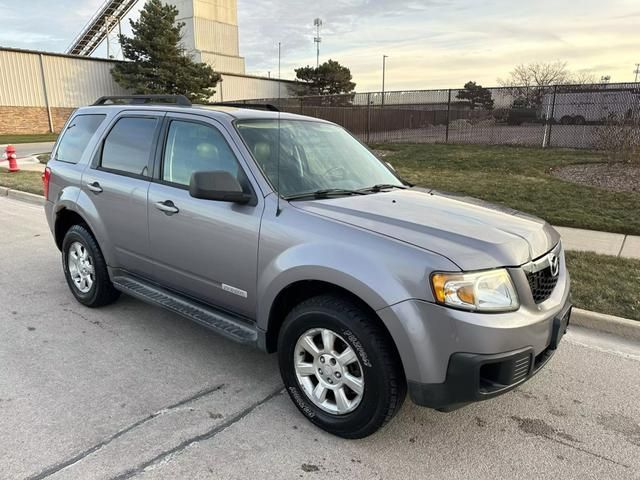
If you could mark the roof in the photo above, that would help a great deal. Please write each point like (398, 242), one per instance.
(213, 111)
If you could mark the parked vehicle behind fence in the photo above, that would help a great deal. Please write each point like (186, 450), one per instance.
(591, 106)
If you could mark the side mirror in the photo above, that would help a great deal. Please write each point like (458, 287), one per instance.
(217, 185)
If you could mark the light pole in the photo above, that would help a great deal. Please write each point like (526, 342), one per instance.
(317, 39)
(637, 71)
(384, 67)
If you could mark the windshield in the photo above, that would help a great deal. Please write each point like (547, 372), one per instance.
(314, 157)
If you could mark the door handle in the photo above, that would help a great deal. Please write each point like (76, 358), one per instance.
(94, 187)
(167, 207)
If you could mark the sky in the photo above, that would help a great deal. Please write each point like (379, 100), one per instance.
(429, 43)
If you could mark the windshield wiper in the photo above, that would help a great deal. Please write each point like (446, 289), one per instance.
(381, 186)
(325, 193)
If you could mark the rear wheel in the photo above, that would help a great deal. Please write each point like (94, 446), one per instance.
(340, 367)
(85, 269)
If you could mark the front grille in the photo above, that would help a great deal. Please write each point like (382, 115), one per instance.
(542, 284)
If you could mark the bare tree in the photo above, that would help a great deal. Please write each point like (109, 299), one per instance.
(528, 83)
(537, 74)
(583, 78)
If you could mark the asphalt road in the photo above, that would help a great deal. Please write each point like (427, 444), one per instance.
(133, 391)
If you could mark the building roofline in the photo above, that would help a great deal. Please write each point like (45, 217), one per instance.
(110, 60)
(57, 54)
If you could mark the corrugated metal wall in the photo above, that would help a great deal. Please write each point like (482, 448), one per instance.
(75, 81)
(216, 37)
(70, 82)
(242, 87)
(21, 80)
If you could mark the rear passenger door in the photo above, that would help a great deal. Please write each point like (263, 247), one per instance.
(118, 182)
(203, 248)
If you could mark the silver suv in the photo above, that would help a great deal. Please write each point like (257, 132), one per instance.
(284, 232)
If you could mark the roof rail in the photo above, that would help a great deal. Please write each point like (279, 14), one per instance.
(257, 106)
(143, 99)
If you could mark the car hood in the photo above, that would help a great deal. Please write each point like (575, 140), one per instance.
(471, 233)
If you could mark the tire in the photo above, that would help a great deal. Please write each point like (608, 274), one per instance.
(100, 291)
(376, 364)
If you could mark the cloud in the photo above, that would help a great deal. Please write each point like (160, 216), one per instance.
(430, 43)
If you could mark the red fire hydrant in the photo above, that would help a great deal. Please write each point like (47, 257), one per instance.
(10, 154)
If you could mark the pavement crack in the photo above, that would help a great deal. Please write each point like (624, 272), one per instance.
(198, 438)
(584, 450)
(85, 453)
(541, 429)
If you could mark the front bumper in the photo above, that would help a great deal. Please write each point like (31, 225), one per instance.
(444, 351)
(475, 377)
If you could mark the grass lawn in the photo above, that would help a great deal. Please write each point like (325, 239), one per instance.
(39, 137)
(26, 181)
(519, 177)
(605, 284)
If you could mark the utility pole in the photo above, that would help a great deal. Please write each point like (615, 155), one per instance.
(384, 67)
(637, 71)
(317, 39)
(106, 28)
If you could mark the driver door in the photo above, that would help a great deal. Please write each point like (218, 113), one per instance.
(206, 249)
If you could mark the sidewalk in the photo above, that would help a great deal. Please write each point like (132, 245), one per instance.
(616, 244)
(31, 164)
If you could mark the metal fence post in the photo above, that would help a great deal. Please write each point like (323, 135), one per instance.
(446, 133)
(368, 117)
(553, 109)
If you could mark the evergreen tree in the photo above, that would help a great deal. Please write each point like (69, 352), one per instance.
(158, 64)
(476, 95)
(330, 78)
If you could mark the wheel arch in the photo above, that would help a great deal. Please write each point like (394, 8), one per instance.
(65, 218)
(300, 290)
(83, 211)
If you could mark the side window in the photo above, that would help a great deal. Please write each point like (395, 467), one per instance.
(193, 147)
(76, 136)
(128, 146)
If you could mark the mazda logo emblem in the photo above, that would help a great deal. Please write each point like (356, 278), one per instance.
(554, 265)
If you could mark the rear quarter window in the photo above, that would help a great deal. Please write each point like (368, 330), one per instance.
(128, 146)
(76, 137)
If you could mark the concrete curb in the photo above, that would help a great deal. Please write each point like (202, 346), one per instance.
(622, 327)
(22, 196)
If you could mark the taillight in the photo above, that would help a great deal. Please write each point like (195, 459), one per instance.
(46, 177)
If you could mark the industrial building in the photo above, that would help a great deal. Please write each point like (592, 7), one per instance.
(38, 90)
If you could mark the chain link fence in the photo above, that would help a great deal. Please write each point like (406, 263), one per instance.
(559, 116)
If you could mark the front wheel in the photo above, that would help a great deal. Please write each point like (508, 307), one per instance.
(339, 366)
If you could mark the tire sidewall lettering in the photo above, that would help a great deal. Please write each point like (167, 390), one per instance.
(299, 398)
(359, 348)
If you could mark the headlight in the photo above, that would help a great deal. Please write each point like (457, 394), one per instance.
(490, 291)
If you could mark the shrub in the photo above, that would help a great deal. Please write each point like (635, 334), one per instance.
(620, 140)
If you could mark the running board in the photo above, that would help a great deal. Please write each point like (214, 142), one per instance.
(219, 321)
